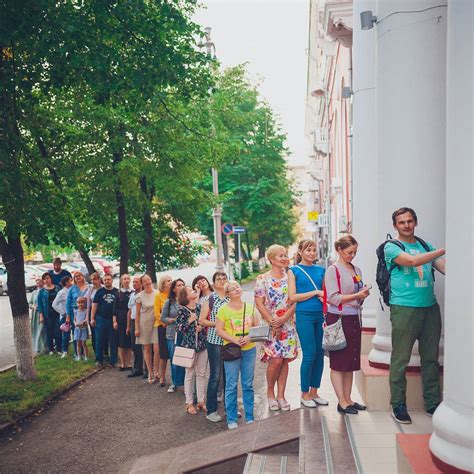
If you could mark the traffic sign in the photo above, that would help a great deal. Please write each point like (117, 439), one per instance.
(239, 229)
(313, 216)
(227, 228)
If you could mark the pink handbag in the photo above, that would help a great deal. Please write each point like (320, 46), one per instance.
(184, 357)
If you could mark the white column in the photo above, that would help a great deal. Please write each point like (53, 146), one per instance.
(453, 439)
(364, 156)
(410, 92)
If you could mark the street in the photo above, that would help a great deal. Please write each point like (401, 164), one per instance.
(7, 349)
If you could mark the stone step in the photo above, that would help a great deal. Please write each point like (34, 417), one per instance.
(374, 388)
(271, 463)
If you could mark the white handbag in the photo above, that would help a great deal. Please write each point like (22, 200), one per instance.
(334, 338)
(184, 356)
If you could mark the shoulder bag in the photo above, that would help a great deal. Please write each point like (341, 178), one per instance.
(333, 335)
(184, 356)
(232, 351)
(260, 333)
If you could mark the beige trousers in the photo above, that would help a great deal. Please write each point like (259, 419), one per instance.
(198, 372)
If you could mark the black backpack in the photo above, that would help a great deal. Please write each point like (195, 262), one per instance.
(382, 276)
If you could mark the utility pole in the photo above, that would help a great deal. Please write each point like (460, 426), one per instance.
(217, 211)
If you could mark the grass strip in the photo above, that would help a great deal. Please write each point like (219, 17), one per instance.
(53, 375)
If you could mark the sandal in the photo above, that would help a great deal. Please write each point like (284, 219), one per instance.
(202, 406)
(151, 379)
(284, 405)
(273, 405)
(191, 410)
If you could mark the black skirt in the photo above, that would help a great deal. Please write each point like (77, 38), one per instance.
(163, 345)
(124, 340)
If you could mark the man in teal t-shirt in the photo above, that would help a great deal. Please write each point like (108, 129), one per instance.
(414, 313)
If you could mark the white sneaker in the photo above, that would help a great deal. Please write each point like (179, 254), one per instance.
(51, 353)
(86, 358)
(214, 417)
(232, 426)
(308, 403)
(63, 355)
(77, 358)
(321, 401)
(171, 389)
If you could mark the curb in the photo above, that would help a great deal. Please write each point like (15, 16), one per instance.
(48, 401)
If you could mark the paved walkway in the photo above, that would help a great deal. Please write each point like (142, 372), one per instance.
(109, 420)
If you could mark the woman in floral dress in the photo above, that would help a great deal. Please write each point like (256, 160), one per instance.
(271, 298)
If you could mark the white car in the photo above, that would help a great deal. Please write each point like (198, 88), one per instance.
(30, 279)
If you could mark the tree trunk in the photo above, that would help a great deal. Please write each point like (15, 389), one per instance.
(12, 255)
(261, 250)
(122, 220)
(148, 228)
(87, 261)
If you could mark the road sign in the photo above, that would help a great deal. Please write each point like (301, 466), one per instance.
(227, 228)
(239, 229)
(313, 215)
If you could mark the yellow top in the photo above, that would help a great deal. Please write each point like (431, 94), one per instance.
(233, 322)
(160, 300)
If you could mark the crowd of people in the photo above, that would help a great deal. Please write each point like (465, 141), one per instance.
(141, 328)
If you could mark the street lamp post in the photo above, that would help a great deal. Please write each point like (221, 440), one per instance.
(217, 211)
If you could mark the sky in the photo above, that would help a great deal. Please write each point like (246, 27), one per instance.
(272, 36)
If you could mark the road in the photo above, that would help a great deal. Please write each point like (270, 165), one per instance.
(7, 349)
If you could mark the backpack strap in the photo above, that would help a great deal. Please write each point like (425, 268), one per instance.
(325, 295)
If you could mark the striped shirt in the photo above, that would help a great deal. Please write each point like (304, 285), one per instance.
(212, 336)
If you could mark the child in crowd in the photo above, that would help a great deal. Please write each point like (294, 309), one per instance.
(81, 332)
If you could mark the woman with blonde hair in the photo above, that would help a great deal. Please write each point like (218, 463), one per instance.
(124, 341)
(305, 288)
(145, 332)
(160, 350)
(345, 295)
(234, 321)
(271, 299)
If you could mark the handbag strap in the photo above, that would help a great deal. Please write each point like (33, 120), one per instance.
(307, 274)
(325, 294)
(243, 325)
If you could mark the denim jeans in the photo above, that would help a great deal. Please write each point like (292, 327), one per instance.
(177, 372)
(53, 333)
(214, 353)
(105, 336)
(66, 336)
(309, 326)
(246, 367)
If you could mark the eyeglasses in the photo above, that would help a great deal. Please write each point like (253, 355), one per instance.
(221, 279)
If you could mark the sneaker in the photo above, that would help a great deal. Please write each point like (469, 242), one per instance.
(85, 358)
(400, 414)
(63, 355)
(249, 422)
(51, 353)
(98, 364)
(431, 411)
(232, 426)
(171, 389)
(214, 417)
(77, 358)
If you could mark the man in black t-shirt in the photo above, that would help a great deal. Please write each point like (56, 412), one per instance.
(101, 319)
(58, 273)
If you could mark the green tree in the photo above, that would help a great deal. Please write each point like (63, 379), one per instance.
(253, 180)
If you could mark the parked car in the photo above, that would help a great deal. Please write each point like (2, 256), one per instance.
(30, 280)
(109, 267)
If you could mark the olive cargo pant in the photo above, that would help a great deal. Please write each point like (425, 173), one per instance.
(408, 325)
